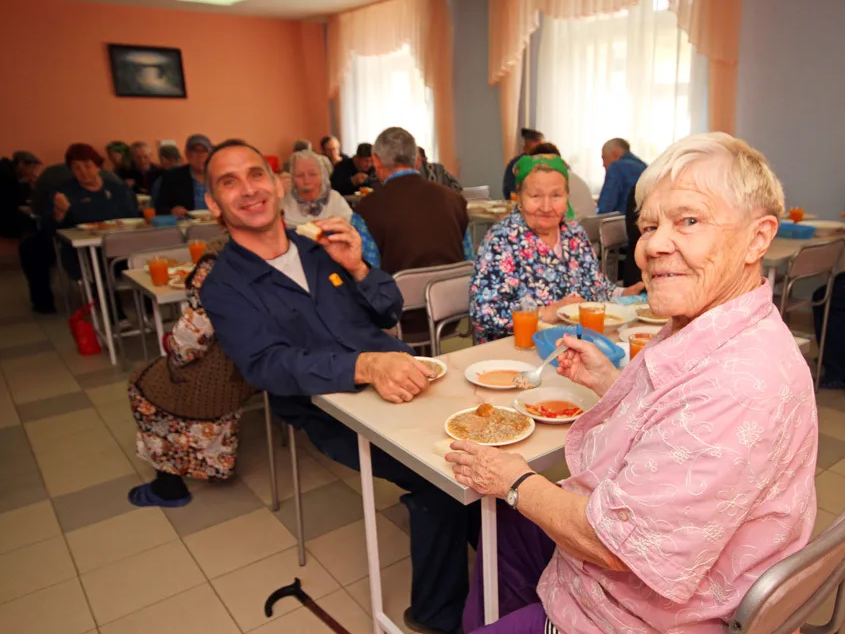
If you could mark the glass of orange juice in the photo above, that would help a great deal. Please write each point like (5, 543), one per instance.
(796, 214)
(638, 342)
(591, 315)
(197, 248)
(526, 316)
(158, 271)
(148, 214)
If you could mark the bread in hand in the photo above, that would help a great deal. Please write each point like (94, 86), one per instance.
(310, 230)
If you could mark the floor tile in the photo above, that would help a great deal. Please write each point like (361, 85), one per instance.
(839, 468)
(212, 504)
(15, 320)
(54, 406)
(341, 471)
(77, 433)
(829, 489)
(245, 590)
(831, 451)
(238, 542)
(8, 412)
(22, 489)
(59, 608)
(140, 581)
(340, 606)
(832, 422)
(823, 520)
(15, 453)
(396, 592)
(34, 567)
(21, 334)
(105, 376)
(254, 472)
(38, 376)
(120, 537)
(82, 471)
(195, 610)
(108, 393)
(324, 510)
(79, 364)
(385, 493)
(343, 552)
(25, 350)
(28, 525)
(96, 503)
(398, 514)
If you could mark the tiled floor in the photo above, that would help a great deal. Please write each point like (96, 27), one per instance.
(76, 557)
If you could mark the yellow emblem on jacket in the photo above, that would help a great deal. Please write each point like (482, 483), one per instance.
(335, 279)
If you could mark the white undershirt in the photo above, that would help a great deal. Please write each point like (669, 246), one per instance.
(290, 265)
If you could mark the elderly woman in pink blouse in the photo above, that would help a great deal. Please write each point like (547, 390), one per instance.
(694, 473)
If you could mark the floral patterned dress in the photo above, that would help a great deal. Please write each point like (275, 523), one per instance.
(200, 449)
(514, 263)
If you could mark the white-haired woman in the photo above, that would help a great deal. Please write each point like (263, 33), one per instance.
(694, 473)
(311, 196)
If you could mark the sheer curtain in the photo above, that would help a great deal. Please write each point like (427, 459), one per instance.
(382, 91)
(630, 74)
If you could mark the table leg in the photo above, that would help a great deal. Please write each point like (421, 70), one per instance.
(772, 272)
(159, 327)
(490, 559)
(104, 302)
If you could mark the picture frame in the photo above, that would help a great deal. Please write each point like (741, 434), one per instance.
(147, 71)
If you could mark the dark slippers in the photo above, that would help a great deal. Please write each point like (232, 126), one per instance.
(143, 495)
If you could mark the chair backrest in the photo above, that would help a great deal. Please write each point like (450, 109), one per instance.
(591, 224)
(121, 244)
(412, 282)
(788, 592)
(205, 231)
(476, 193)
(612, 233)
(447, 301)
(816, 259)
(138, 259)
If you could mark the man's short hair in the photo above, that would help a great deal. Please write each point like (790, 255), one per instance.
(169, 152)
(301, 144)
(139, 145)
(365, 150)
(396, 147)
(531, 136)
(617, 143)
(325, 141)
(22, 157)
(229, 143)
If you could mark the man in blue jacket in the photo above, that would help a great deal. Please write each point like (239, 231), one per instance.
(301, 318)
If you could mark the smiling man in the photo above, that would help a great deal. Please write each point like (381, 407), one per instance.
(301, 318)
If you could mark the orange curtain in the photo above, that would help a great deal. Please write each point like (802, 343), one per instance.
(426, 26)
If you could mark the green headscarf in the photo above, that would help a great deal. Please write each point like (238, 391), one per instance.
(527, 165)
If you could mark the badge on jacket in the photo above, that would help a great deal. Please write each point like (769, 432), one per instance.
(335, 279)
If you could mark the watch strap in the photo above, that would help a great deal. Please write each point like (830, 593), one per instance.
(521, 479)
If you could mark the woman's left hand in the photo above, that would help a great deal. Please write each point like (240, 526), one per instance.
(488, 470)
(549, 313)
(636, 289)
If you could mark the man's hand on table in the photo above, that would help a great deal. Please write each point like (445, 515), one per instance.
(488, 470)
(396, 376)
(343, 244)
(585, 364)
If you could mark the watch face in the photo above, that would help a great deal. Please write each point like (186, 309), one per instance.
(512, 497)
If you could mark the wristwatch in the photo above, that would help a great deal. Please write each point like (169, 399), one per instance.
(512, 498)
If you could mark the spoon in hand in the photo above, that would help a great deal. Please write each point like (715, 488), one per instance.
(530, 379)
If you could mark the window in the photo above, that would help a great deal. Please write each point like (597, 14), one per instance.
(382, 91)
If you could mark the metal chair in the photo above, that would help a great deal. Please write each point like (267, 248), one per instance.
(206, 231)
(412, 284)
(447, 302)
(612, 236)
(476, 193)
(116, 249)
(788, 592)
(820, 259)
(591, 226)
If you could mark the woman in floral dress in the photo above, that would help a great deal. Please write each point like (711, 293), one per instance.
(187, 405)
(538, 252)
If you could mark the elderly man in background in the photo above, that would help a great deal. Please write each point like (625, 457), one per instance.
(144, 173)
(301, 318)
(622, 170)
(169, 157)
(436, 172)
(694, 472)
(350, 174)
(530, 138)
(330, 148)
(183, 188)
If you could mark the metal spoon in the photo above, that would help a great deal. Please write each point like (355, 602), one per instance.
(530, 379)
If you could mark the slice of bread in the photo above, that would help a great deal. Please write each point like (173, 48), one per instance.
(310, 230)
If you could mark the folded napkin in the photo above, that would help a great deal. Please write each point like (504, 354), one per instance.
(642, 298)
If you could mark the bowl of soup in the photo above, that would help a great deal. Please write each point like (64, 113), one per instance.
(496, 374)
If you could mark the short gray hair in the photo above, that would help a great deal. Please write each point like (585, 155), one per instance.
(742, 176)
(616, 144)
(325, 183)
(396, 147)
(301, 144)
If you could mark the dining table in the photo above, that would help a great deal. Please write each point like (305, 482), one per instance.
(159, 296)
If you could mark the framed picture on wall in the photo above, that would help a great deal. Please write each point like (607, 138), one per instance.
(147, 71)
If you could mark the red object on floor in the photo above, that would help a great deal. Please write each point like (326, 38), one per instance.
(273, 162)
(83, 332)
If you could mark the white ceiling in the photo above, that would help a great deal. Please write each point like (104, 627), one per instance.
(292, 9)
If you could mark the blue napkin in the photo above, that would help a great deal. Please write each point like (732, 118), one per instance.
(631, 299)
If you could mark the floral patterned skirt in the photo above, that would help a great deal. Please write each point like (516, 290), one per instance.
(200, 449)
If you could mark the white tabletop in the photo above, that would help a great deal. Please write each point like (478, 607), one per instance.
(78, 238)
(161, 294)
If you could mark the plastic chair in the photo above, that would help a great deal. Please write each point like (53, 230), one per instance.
(412, 284)
(206, 231)
(447, 302)
(612, 236)
(820, 259)
(476, 193)
(788, 592)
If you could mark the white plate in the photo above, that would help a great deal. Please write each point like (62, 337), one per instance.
(472, 372)
(627, 333)
(648, 320)
(177, 284)
(625, 314)
(201, 214)
(437, 362)
(582, 397)
(512, 441)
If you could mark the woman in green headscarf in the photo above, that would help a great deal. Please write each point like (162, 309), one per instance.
(538, 251)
